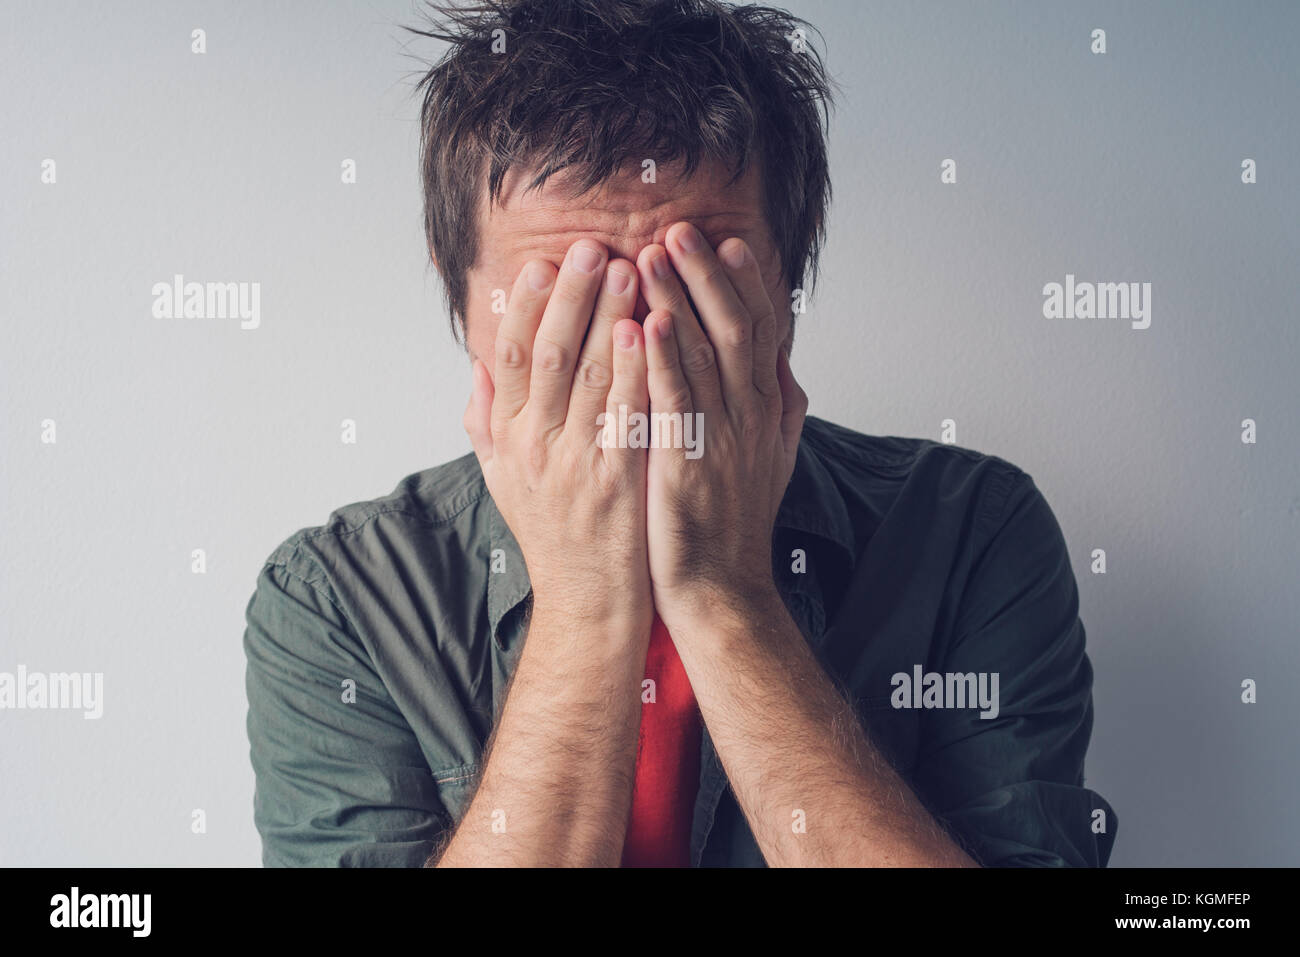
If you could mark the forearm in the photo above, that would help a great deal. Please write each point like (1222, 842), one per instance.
(814, 789)
(556, 787)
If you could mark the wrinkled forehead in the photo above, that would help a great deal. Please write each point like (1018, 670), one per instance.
(626, 212)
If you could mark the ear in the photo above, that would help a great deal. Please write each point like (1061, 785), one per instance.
(787, 345)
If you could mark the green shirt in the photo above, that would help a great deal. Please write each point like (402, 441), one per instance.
(380, 643)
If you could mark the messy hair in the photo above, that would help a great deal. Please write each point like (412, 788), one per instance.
(587, 86)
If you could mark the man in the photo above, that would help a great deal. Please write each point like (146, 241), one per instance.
(660, 616)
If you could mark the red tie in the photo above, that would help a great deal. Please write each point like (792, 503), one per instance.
(667, 762)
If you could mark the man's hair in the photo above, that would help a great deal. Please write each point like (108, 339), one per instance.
(587, 86)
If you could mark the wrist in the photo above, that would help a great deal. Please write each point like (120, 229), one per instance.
(612, 615)
(733, 606)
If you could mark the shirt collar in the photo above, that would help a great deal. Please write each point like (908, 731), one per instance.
(812, 504)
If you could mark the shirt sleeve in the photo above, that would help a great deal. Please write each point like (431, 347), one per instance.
(340, 777)
(1013, 785)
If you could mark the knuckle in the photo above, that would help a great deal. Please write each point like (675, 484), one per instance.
(737, 334)
(510, 354)
(699, 358)
(594, 374)
(550, 357)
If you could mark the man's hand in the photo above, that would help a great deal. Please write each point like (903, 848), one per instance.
(792, 747)
(710, 519)
(577, 510)
(556, 784)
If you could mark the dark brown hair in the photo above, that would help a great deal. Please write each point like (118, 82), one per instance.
(590, 85)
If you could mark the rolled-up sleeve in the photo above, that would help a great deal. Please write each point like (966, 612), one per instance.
(340, 777)
(1012, 786)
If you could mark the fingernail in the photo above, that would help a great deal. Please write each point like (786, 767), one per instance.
(616, 281)
(624, 339)
(664, 328)
(585, 259)
(539, 277)
(734, 256)
(661, 266)
(689, 239)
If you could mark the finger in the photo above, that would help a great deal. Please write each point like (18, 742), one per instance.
(669, 391)
(661, 291)
(559, 337)
(514, 342)
(725, 319)
(478, 413)
(627, 393)
(591, 381)
(747, 279)
(670, 395)
(794, 405)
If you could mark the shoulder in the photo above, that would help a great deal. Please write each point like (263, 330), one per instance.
(423, 509)
(877, 471)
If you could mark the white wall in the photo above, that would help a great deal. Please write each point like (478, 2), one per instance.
(180, 434)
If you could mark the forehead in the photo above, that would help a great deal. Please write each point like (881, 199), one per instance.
(624, 212)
